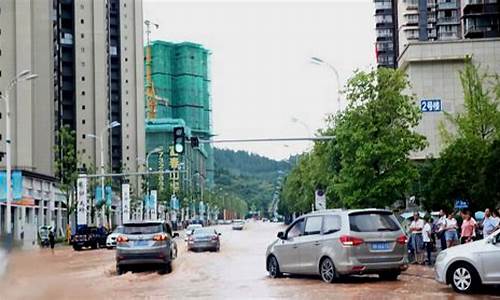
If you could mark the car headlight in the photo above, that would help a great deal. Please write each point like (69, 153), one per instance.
(441, 256)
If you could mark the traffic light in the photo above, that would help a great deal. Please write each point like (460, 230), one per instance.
(179, 140)
(195, 142)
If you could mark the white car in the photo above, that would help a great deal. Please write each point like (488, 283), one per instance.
(468, 266)
(111, 239)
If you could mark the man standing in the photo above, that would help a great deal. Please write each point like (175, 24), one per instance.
(416, 227)
(440, 231)
(489, 223)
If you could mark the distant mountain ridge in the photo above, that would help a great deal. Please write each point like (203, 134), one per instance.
(250, 176)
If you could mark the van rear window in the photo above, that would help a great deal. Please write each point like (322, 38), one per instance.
(373, 222)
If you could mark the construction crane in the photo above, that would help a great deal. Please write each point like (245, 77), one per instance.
(150, 90)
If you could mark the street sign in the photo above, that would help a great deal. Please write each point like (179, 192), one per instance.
(461, 204)
(430, 105)
(81, 198)
(152, 207)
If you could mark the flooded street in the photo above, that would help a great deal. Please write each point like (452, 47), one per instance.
(236, 272)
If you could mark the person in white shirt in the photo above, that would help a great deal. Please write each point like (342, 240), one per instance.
(450, 228)
(426, 237)
(416, 227)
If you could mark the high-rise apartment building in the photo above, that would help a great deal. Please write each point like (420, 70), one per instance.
(481, 18)
(386, 25)
(89, 59)
(428, 20)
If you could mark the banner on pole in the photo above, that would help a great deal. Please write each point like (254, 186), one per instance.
(152, 207)
(126, 202)
(82, 205)
(320, 202)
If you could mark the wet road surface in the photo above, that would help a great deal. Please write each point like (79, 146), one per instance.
(236, 272)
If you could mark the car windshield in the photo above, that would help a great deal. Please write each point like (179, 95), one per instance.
(373, 222)
(118, 230)
(193, 226)
(142, 228)
(203, 232)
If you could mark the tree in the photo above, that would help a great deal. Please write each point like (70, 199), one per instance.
(66, 162)
(375, 137)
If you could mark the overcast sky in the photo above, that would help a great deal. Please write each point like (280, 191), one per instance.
(261, 74)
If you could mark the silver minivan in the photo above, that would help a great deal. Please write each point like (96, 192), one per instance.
(332, 243)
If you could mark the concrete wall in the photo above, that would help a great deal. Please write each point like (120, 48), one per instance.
(26, 43)
(433, 71)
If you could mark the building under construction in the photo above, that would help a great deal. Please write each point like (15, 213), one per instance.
(178, 94)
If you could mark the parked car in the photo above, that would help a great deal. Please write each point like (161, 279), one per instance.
(146, 243)
(111, 239)
(340, 242)
(468, 266)
(238, 225)
(204, 239)
(93, 237)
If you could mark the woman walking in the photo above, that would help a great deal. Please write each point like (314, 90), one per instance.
(468, 228)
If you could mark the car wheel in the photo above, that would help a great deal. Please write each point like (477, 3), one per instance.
(327, 270)
(77, 248)
(273, 267)
(94, 246)
(120, 270)
(165, 268)
(389, 276)
(463, 278)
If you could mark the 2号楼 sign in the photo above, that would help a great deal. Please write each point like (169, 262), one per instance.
(430, 105)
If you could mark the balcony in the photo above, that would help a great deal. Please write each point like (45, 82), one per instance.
(448, 35)
(447, 5)
(448, 20)
(383, 5)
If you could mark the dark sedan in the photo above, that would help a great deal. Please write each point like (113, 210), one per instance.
(204, 239)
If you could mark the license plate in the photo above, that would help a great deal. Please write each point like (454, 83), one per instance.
(380, 246)
(141, 243)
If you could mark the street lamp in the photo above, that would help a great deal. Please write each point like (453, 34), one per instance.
(22, 76)
(319, 61)
(100, 140)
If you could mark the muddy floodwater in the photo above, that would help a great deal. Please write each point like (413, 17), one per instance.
(236, 272)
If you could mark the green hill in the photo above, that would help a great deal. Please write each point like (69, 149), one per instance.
(250, 176)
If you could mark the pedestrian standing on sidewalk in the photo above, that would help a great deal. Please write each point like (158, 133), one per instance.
(426, 237)
(496, 218)
(468, 228)
(489, 223)
(52, 240)
(450, 227)
(441, 228)
(416, 227)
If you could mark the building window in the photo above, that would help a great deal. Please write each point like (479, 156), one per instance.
(128, 147)
(83, 93)
(0, 137)
(83, 136)
(82, 50)
(83, 78)
(81, 6)
(83, 150)
(128, 157)
(81, 21)
(126, 59)
(83, 121)
(83, 107)
(82, 35)
(126, 102)
(126, 80)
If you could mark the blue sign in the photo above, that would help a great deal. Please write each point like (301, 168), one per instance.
(461, 204)
(430, 105)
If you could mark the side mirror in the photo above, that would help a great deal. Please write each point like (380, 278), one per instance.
(281, 235)
(176, 234)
